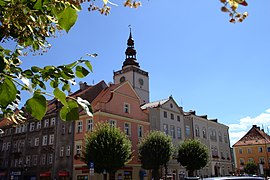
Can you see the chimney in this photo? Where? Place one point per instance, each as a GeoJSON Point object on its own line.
{"type": "Point", "coordinates": [83, 85]}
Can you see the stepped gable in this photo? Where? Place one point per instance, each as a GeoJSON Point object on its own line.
{"type": "Point", "coordinates": [254, 136]}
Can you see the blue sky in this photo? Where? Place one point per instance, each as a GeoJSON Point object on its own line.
{"type": "Point", "coordinates": [190, 50]}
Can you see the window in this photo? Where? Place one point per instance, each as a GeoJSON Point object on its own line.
{"type": "Point", "coordinates": [68, 151]}
{"type": "Point", "coordinates": [89, 124]}
{"type": "Point", "coordinates": [35, 160]}
{"type": "Point", "coordinates": [249, 151]}
{"type": "Point", "coordinates": [213, 135]}
{"type": "Point", "coordinates": [240, 151]}
{"type": "Point", "coordinates": [165, 129]}
{"type": "Point", "coordinates": [268, 149]}
{"type": "Point", "coordinates": [46, 123]}
{"type": "Point", "coordinates": [37, 141]}
{"type": "Point", "coordinates": [172, 131]}
{"type": "Point", "coordinates": [50, 158]}
{"type": "Point", "coordinates": [8, 146]}
{"type": "Point", "coordinates": [43, 159]}
{"type": "Point", "coordinates": [69, 128]}
{"type": "Point", "coordinates": [127, 129]}
{"type": "Point", "coordinates": [61, 151]}
{"type": "Point", "coordinates": [78, 149]}
{"type": "Point", "coordinates": [261, 161]}
{"type": "Point", "coordinates": [242, 162]}
{"type": "Point", "coordinates": [250, 160]}
{"type": "Point", "coordinates": [30, 142]}
{"type": "Point", "coordinates": [44, 140]}
{"type": "Point", "coordinates": [187, 130]}
{"type": "Point", "coordinates": [39, 125]}
{"type": "Point", "coordinates": [204, 133]}
{"type": "Point", "coordinates": [178, 118]}
{"type": "Point", "coordinates": [51, 139]}
{"type": "Point", "coordinates": [179, 135]}
{"type": "Point", "coordinates": [27, 160]}
{"type": "Point", "coordinates": [79, 126]}
{"type": "Point", "coordinates": [219, 137]}
{"type": "Point", "coordinates": [126, 108]}
{"type": "Point", "coordinates": [63, 129]}
{"type": "Point", "coordinates": [4, 147]}
{"type": "Point", "coordinates": [112, 123]}
{"type": "Point", "coordinates": [225, 138]}
{"type": "Point", "coordinates": [24, 127]}
{"type": "Point", "coordinates": [172, 116]}
{"type": "Point", "coordinates": [165, 114]}
{"type": "Point", "coordinates": [140, 131]}
{"type": "Point", "coordinates": [197, 131]}
{"type": "Point", "coordinates": [32, 126]}
{"type": "Point", "coordinates": [52, 121]}
{"type": "Point", "coordinates": [260, 149]}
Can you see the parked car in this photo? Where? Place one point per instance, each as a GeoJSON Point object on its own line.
{"type": "Point", "coordinates": [235, 178]}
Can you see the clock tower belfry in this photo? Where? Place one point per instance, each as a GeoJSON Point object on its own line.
{"type": "Point", "coordinates": [131, 72]}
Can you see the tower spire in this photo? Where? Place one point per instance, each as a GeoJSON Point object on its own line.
{"type": "Point", "coordinates": [130, 52]}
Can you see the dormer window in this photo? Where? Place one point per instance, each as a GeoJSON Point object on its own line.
{"type": "Point", "coordinates": [126, 108]}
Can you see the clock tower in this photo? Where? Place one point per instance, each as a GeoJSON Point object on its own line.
{"type": "Point", "coordinates": [131, 72]}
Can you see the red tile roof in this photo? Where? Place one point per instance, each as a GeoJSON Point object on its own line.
{"type": "Point", "coordinates": [254, 136]}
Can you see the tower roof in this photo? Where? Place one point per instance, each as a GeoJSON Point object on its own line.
{"type": "Point", "coordinates": [130, 53]}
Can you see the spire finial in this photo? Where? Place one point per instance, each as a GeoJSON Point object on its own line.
{"type": "Point", "coordinates": [130, 36]}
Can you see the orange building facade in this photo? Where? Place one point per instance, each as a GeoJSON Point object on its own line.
{"type": "Point", "coordinates": [253, 147]}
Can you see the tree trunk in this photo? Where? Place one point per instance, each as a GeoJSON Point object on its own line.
{"type": "Point", "coordinates": [190, 173]}
{"type": "Point", "coordinates": [112, 176]}
{"type": "Point", "coordinates": [155, 175]}
{"type": "Point", "coordinates": [166, 171]}
{"type": "Point", "coordinates": [104, 176]}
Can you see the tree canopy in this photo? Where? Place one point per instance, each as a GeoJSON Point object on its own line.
{"type": "Point", "coordinates": [155, 150]}
{"type": "Point", "coordinates": [107, 147]}
{"type": "Point", "coordinates": [193, 155]}
{"type": "Point", "coordinates": [251, 168]}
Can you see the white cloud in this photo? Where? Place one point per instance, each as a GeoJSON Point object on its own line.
{"type": "Point", "coordinates": [237, 131]}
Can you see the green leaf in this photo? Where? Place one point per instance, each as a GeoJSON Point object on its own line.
{"type": "Point", "coordinates": [61, 96]}
{"type": "Point", "coordinates": [28, 73]}
{"type": "Point", "coordinates": [38, 5]}
{"type": "Point", "coordinates": [67, 18]}
{"type": "Point", "coordinates": [72, 64]}
{"type": "Point", "coordinates": [70, 112]}
{"type": "Point", "coordinates": [54, 83]}
{"type": "Point", "coordinates": [89, 65]}
{"type": "Point", "coordinates": [8, 92]}
{"type": "Point", "coordinates": [81, 72]}
{"type": "Point", "coordinates": [35, 69]}
{"type": "Point", "coordinates": [66, 87]}
{"type": "Point", "coordinates": [37, 106]}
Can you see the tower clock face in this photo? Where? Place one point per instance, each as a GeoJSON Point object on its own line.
{"type": "Point", "coordinates": [122, 79]}
{"type": "Point", "coordinates": [141, 81]}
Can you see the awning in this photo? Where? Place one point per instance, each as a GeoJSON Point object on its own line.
{"type": "Point", "coordinates": [63, 173]}
{"type": "Point", "coordinates": [45, 174]}
{"type": "Point", "coordinates": [3, 173]}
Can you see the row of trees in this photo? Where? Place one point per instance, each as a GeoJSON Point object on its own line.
{"type": "Point", "coordinates": [110, 149]}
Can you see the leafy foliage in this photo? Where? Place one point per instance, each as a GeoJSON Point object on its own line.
{"type": "Point", "coordinates": [29, 23]}
{"type": "Point", "coordinates": [155, 150]}
{"type": "Point", "coordinates": [193, 155]}
{"type": "Point", "coordinates": [107, 147]}
{"type": "Point", "coordinates": [251, 168]}
{"type": "Point", "coordinates": [231, 6]}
